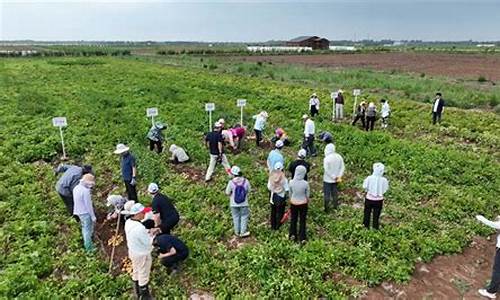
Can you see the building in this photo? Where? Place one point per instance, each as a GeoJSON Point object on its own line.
{"type": "Point", "coordinates": [314, 42]}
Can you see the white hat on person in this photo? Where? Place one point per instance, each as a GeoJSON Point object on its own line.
{"type": "Point", "coordinates": [302, 153]}
{"type": "Point", "coordinates": [121, 148]}
{"type": "Point", "coordinates": [279, 144]}
{"type": "Point", "coordinates": [264, 114]}
{"type": "Point", "coordinates": [278, 165]}
{"type": "Point", "coordinates": [217, 124]}
{"type": "Point", "coordinates": [153, 188]}
{"type": "Point", "coordinates": [235, 170]}
{"type": "Point", "coordinates": [305, 116]}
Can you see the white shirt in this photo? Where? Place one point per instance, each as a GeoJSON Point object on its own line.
{"type": "Point", "coordinates": [436, 104]}
{"type": "Point", "coordinates": [386, 109]}
{"type": "Point", "coordinates": [138, 240]}
{"type": "Point", "coordinates": [309, 128]}
{"type": "Point", "coordinates": [333, 165]}
{"type": "Point", "coordinates": [314, 102]}
{"type": "Point", "coordinates": [495, 225]}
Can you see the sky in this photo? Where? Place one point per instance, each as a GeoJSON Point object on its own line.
{"type": "Point", "coordinates": [249, 21]}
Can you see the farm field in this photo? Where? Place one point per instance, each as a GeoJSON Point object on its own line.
{"type": "Point", "coordinates": [470, 66]}
{"type": "Point", "coordinates": [440, 177]}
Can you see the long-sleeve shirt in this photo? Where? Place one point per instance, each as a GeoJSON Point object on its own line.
{"type": "Point", "coordinates": [138, 240]}
{"type": "Point", "coordinates": [69, 179]}
{"type": "Point", "coordinates": [231, 187]}
{"type": "Point", "coordinates": [260, 122]}
{"type": "Point", "coordinates": [309, 128]}
{"type": "Point", "coordinates": [386, 110]}
{"type": "Point", "coordinates": [83, 201]}
{"type": "Point", "coordinates": [333, 165]}
{"type": "Point", "coordinates": [314, 102]}
{"type": "Point", "coordinates": [495, 225]}
{"type": "Point", "coordinates": [274, 157]}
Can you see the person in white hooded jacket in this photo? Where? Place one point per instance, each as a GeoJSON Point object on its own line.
{"type": "Point", "coordinates": [333, 170]}
{"type": "Point", "coordinates": [179, 155]}
{"type": "Point", "coordinates": [375, 185]}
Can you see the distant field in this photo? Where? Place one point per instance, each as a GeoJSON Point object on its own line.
{"type": "Point", "coordinates": [469, 66]}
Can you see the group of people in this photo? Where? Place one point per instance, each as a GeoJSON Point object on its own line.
{"type": "Point", "coordinates": [368, 114]}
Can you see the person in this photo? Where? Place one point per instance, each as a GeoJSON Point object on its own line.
{"type": "Point", "coordinates": [238, 132]}
{"type": "Point", "coordinates": [140, 245]}
{"type": "Point", "coordinates": [228, 138]}
{"type": "Point", "coordinates": [299, 197]}
{"type": "Point", "coordinates": [68, 181]}
{"type": "Point", "coordinates": [339, 105]}
{"type": "Point", "coordinates": [277, 185]}
{"type": "Point", "coordinates": [84, 209]}
{"type": "Point", "coordinates": [222, 123]}
{"type": "Point", "coordinates": [260, 124]}
{"type": "Point", "coordinates": [129, 170]}
{"type": "Point", "coordinates": [333, 166]}
{"type": "Point", "coordinates": [116, 204]}
{"type": "Point", "coordinates": [371, 116]}
{"type": "Point", "coordinates": [155, 137]}
{"type": "Point", "coordinates": [326, 137]}
{"type": "Point", "coordinates": [437, 108]}
{"type": "Point", "coordinates": [385, 112]}
{"type": "Point", "coordinates": [275, 156]}
{"type": "Point", "coordinates": [179, 155]}
{"type": "Point", "coordinates": [314, 105]}
{"type": "Point", "coordinates": [171, 251]}
{"type": "Point", "coordinates": [360, 114]}
{"type": "Point", "coordinates": [375, 186]}
{"type": "Point", "coordinates": [215, 143]}
{"type": "Point", "coordinates": [165, 214]}
{"type": "Point", "coordinates": [237, 189]}
{"type": "Point", "coordinates": [280, 134]}
{"type": "Point", "coordinates": [493, 287]}
{"type": "Point", "coordinates": [309, 129]}
{"type": "Point", "coordinates": [300, 161]}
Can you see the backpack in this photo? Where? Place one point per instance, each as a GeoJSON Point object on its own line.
{"type": "Point", "coordinates": [240, 192]}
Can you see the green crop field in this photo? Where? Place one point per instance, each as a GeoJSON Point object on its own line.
{"type": "Point", "coordinates": [440, 178]}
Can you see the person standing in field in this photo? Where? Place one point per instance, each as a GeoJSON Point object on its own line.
{"type": "Point", "coordinates": [494, 286]}
{"type": "Point", "coordinates": [215, 143]}
{"type": "Point", "coordinates": [375, 185]}
{"type": "Point", "coordinates": [360, 114]}
{"type": "Point", "coordinates": [333, 168]}
{"type": "Point", "coordinates": [129, 170]}
{"type": "Point", "coordinates": [278, 187]}
{"type": "Point", "coordinates": [68, 181]}
{"type": "Point", "coordinates": [300, 161]}
{"type": "Point", "coordinates": [84, 209]}
{"type": "Point", "coordinates": [171, 251]}
{"type": "Point", "coordinates": [339, 105]}
{"type": "Point", "coordinates": [237, 189]}
{"type": "Point", "coordinates": [385, 112]}
{"type": "Point", "coordinates": [260, 124]}
{"type": "Point", "coordinates": [165, 214]}
{"type": "Point", "coordinates": [155, 137]}
{"type": "Point", "coordinates": [299, 198]}
{"type": "Point", "coordinates": [314, 105]}
{"type": "Point", "coordinates": [275, 156]}
{"type": "Point", "coordinates": [179, 155]}
{"type": "Point", "coordinates": [140, 245]}
{"type": "Point", "coordinates": [371, 116]}
{"type": "Point", "coordinates": [309, 130]}
{"type": "Point", "coordinates": [437, 108]}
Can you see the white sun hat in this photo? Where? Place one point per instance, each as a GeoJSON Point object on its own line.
{"type": "Point", "coordinates": [121, 148]}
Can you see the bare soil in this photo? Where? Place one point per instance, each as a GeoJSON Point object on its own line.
{"type": "Point", "coordinates": [456, 276]}
{"type": "Point", "coordinates": [468, 66]}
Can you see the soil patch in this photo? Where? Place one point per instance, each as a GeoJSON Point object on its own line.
{"type": "Point", "coordinates": [456, 276]}
{"type": "Point", "coordinates": [469, 66]}
{"type": "Point", "coordinates": [105, 231]}
{"type": "Point", "coordinates": [190, 173]}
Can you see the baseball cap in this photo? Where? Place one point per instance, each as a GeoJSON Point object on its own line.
{"type": "Point", "coordinates": [302, 153]}
{"type": "Point", "coordinates": [279, 144]}
{"type": "Point", "coordinates": [153, 188]}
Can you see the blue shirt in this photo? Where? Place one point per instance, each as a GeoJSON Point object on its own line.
{"type": "Point", "coordinates": [274, 157]}
{"type": "Point", "coordinates": [260, 123]}
{"type": "Point", "coordinates": [127, 163]}
{"type": "Point", "coordinates": [69, 180]}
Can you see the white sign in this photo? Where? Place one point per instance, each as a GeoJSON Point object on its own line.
{"type": "Point", "coordinates": [209, 106]}
{"type": "Point", "coordinates": [241, 102]}
{"type": "Point", "coordinates": [152, 112]}
{"type": "Point", "coordinates": [356, 92]}
{"type": "Point", "coordinates": [59, 122]}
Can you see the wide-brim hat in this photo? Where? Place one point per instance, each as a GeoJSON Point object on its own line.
{"type": "Point", "coordinates": [121, 148]}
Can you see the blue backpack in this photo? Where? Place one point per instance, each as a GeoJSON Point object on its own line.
{"type": "Point", "coordinates": [240, 192]}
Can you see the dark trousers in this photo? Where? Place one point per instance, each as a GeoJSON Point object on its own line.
{"type": "Point", "coordinates": [172, 261]}
{"type": "Point", "coordinates": [157, 145]}
{"type": "Point", "coordinates": [436, 117]}
{"type": "Point", "coordinates": [299, 214]}
{"type": "Point", "coordinates": [308, 145]}
{"type": "Point", "coordinates": [68, 202]}
{"type": "Point", "coordinates": [374, 207]}
{"type": "Point", "coordinates": [495, 276]}
{"type": "Point", "coordinates": [314, 111]}
{"type": "Point", "coordinates": [131, 191]}
{"type": "Point", "coordinates": [358, 117]}
{"type": "Point", "coordinates": [277, 211]}
{"type": "Point", "coordinates": [166, 227]}
{"type": "Point", "coordinates": [370, 122]}
{"type": "Point", "coordinates": [258, 137]}
{"type": "Point", "coordinates": [330, 195]}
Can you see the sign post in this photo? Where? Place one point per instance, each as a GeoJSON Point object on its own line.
{"type": "Point", "coordinates": [61, 122]}
{"type": "Point", "coordinates": [334, 96]}
{"type": "Point", "coordinates": [356, 93]}
{"type": "Point", "coordinates": [241, 103]}
{"type": "Point", "coordinates": [152, 112]}
{"type": "Point", "coordinates": [209, 107]}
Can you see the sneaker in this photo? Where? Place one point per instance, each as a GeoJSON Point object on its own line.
{"type": "Point", "coordinates": [244, 235]}
{"type": "Point", "coordinates": [485, 293]}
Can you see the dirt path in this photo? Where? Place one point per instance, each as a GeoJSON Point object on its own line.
{"type": "Point", "coordinates": [469, 66]}
{"type": "Point", "coordinates": [456, 276]}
